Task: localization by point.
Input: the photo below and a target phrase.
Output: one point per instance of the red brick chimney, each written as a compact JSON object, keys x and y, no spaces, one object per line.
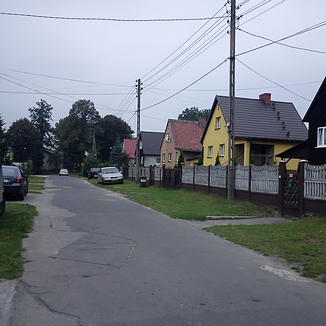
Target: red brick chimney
{"x":202,"y":120}
{"x":266,"y":98}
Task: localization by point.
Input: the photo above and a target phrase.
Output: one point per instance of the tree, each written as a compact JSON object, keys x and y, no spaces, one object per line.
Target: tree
{"x":24,"y":138}
{"x":41,"y":115}
{"x":90,"y":162}
{"x":200,"y":159}
{"x":193,"y":114}
{"x":3,"y":142}
{"x":118,"y":157}
{"x":217,"y":160}
{"x":75,"y":132}
{"x":181,"y":160}
{"x":108,"y":130}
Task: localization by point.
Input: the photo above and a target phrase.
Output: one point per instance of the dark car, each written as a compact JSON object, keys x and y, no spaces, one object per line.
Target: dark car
{"x":93,"y":172}
{"x":15,"y":182}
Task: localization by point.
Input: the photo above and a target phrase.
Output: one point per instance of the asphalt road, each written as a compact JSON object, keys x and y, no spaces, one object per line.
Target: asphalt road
{"x":96,"y":258}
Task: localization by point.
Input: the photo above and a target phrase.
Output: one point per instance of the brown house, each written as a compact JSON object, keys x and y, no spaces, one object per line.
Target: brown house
{"x":182,"y":136}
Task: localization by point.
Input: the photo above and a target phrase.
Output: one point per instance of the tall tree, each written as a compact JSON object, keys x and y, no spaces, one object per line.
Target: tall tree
{"x":25,"y":140}
{"x":41,"y":115}
{"x":75,"y":132}
{"x":3,"y":142}
{"x":193,"y":114}
{"x":108,"y":130}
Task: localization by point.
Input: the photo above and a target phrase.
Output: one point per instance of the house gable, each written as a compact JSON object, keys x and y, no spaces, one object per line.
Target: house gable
{"x":262,"y":128}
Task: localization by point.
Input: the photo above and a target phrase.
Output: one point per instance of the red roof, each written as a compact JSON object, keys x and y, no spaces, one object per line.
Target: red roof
{"x":187,"y":134}
{"x":129,"y":146}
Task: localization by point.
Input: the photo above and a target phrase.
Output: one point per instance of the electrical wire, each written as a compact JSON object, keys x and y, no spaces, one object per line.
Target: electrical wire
{"x":196,"y":81}
{"x":107,"y":19}
{"x":283,"y":44}
{"x":308,"y":29}
{"x":279,"y":85}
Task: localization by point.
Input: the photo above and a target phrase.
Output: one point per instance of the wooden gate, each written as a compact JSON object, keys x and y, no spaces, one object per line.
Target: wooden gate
{"x":290,"y":200}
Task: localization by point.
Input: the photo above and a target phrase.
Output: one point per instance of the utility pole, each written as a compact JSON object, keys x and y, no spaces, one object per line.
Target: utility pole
{"x":138,"y":131}
{"x":94,"y":152}
{"x":231,"y":168}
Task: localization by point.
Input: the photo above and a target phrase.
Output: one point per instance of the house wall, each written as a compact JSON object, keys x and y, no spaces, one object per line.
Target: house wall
{"x":168,"y":147}
{"x":215,"y":137}
{"x":150,"y":160}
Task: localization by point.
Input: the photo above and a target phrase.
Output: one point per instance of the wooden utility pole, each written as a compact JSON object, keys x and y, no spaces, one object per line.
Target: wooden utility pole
{"x":231,"y":168}
{"x":138,"y":131}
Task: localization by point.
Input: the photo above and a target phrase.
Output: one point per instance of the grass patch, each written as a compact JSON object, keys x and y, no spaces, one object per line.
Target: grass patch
{"x":302,"y":242}
{"x":185,"y":204}
{"x":15,"y":223}
{"x":35,"y":184}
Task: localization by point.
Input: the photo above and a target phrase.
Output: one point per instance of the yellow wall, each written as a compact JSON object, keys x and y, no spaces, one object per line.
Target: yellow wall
{"x":215,"y":137}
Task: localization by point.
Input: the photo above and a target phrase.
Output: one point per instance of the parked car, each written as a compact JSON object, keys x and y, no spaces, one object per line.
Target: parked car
{"x":109,"y":174}
{"x":2,"y":197}
{"x":93,"y":172}
{"x":64,"y":172}
{"x":15,"y":181}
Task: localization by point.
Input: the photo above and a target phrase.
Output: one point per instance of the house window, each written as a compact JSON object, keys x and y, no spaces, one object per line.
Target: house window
{"x":218,"y":123}
{"x":167,"y":138}
{"x":222,"y":150}
{"x":170,"y":157}
{"x":176,"y":156}
{"x":163,"y":158}
{"x":158,"y":160}
{"x":321,"y":137}
{"x":210,"y":151}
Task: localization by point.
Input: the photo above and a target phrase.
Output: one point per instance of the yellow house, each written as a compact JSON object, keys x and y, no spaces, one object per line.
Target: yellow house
{"x":262,"y":129}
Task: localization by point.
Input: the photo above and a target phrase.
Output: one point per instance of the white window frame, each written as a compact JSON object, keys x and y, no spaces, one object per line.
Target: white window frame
{"x":218,"y":123}
{"x":163,"y":158}
{"x":321,"y":137}
{"x":170,"y":157}
{"x":222,"y":150}
{"x":210,"y":151}
{"x":167,"y":138}
{"x":157,"y":160}
{"x":176,"y":156}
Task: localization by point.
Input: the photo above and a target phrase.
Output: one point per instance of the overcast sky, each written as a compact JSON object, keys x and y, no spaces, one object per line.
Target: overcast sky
{"x":63,"y":60}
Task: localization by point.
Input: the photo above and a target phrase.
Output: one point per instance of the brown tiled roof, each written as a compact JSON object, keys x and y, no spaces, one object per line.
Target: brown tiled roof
{"x":187,"y":134}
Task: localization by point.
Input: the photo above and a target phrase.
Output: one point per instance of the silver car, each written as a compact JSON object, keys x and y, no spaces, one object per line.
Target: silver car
{"x":109,"y":174}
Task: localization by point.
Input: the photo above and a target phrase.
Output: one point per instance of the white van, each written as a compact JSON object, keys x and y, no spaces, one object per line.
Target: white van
{"x":2,"y":198}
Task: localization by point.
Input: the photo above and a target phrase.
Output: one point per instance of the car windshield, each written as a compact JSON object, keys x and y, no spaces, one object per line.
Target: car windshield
{"x":110,"y":170}
{"x":95,"y":169}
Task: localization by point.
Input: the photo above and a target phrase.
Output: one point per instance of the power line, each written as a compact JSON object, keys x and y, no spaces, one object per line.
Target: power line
{"x":196,"y":81}
{"x":279,"y":85}
{"x":308,"y":29}
{"x":107,"y":19}
{"x":283,"y":44}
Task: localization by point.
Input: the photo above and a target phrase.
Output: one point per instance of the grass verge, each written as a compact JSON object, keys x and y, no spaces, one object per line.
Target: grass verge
{"x":186,"y":204}
{"x":15,"y":223}
{"x":302,"y":243}
{"x":35,"y":184}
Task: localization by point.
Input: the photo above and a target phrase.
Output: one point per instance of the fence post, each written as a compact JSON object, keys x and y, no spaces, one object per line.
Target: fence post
{"x":281,"y":173}
{"x":227,"y":181}
{"x":181,"y":171}
{"x":193,"y":176}
{"x":163,"y":175}
{"x":302,"y":167}
{"x":249,"y":182}
{"x":209,"y":179}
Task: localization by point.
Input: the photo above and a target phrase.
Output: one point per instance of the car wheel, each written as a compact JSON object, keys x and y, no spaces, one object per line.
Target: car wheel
{"x":2,"y":206}
{"x":21,"y":196}
{"x":102,"y":181}
{"x":25,"y":190}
